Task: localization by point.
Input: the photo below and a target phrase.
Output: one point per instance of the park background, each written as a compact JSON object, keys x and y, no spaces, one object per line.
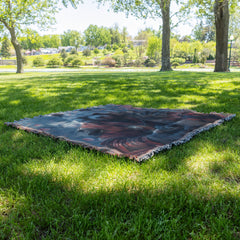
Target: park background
{"x":93,"y":36}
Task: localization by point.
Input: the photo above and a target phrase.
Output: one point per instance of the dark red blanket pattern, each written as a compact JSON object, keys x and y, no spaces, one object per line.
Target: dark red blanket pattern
{"x":123,"y":130}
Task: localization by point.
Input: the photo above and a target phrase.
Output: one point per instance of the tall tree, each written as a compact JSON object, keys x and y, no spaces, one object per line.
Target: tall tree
{"x":72,"y":38}
{"x":221,"y":10}
{"x":33,"y":39}
{"x":221,"y":13}
{"x":97,"y":36}
{"x":5,"y":49}
{"x":144,"y":34}
{"x":166,"y":33}
{"x":124,"y":35}
{"x":51,"y":41}
{"x":144,"y":9}
{"x":16,"y":15}
{"x":154,"y":48}
{"x":115,"y":35}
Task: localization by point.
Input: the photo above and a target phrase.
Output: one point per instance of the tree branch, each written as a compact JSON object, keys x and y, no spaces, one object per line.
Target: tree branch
{"x":5,"y":23}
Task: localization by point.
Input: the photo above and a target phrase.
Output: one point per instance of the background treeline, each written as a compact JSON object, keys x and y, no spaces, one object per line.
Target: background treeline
{"x":93,"y":36}
{"x":115,"y":47}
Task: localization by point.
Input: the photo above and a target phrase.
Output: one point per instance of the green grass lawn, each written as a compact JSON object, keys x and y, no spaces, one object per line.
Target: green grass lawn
{"x":53,"y":190}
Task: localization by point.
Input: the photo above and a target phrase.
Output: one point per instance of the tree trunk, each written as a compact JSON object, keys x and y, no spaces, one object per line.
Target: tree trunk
{"x":221,"y":12}
{"x":17,"y":48}
{"x":165,"y":8}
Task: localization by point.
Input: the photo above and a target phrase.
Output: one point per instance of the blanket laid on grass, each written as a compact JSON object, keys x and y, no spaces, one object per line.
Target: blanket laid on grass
{"x":136,"y":133}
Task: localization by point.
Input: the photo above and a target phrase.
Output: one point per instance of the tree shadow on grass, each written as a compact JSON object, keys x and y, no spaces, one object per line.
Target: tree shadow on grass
{"x":70,"y":90}
{"x":111,"y":198}
{"x":42,"y":206}
{"x":37,"y":95}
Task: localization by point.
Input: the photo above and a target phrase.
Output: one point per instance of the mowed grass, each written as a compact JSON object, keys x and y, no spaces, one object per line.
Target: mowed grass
{"x":52,"y":190}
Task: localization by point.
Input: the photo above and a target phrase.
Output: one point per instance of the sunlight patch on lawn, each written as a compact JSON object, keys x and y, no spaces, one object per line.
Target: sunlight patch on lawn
{"x":51,"y":189}
{"x":11,"y":203}
{"x":16,"y":136}
{"x":82,"y":177}
{"x":5,"y":207}
{"x":69,"y":174}
{"x":15,"y":102}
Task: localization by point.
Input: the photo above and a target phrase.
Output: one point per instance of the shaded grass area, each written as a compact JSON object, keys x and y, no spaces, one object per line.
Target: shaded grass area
{"x":53,"y":190}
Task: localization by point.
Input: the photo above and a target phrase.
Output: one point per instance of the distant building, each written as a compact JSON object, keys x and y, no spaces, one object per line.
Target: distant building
{"x":102,"y":47}
{"x":67,"y":48}
{"x":33,"y":52}
{"x":48,"y":50}
{"x":82,"y":48}
{"x":137,"y":43}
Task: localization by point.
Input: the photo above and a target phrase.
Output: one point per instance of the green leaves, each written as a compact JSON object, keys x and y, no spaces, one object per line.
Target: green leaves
{"x":16,"y":15}
{"x":21,"y":13}
{"x":5,"y":49}
{"x":74,"y":3}
{"x":71,"y":38}
{"x":97,"y":36}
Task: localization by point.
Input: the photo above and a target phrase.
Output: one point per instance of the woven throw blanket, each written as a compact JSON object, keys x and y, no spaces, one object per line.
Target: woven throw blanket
{"x":123,"y":130}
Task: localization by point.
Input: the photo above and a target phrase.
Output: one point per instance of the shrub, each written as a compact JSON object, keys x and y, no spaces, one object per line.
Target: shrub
{"x":109,"y":48}
{"x":68,"y":60}
{"x":105,"y":52}
{"x":122,"y":45}
{"x":178,"y":60}
{"x":54,"y":62}
{"x":96,"y":50}
{"x":180,"y":54}
{"x":138,"y":62}
{"x":150,"y":62}
{"x":125,"y":50}
{"x":119,"y":60}
{"x":211,"y":57}
{"x":109,"y":61}
{"x":74,"y":51}
{"x":195,"y":56}
{"x":63,"y":54}
{"x":24,"y":60}
{"x":118,"y":52}
{"x":38,"y":62}
{"x":86,"y":52}
{"x":76,"y":62}
{"x":175,"y":64}
{"x":153,"y":49}
{"x":130,"y":63}
{"x":115,"y":46}
{"x":97,"y":62}
{"x":131,"y":46}
{"x":203,"y":59}
{"x":236,"y":54}
{"x":126,"y":59}
{"x":73,"y":61}
{"x":195,"y":59}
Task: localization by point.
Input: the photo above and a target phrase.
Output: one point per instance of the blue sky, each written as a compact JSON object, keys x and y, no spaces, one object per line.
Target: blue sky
{"x":89,"y":13}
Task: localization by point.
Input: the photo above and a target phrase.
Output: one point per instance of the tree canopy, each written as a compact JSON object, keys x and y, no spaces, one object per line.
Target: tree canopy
{"x":71,"y":38}
{"x":5,"y":49}
{"x":145,"y":9}
{"x":22,"y":13}
{"x":97,"y":36}
{"x":17,"y":15}
{"x":220,"y":10}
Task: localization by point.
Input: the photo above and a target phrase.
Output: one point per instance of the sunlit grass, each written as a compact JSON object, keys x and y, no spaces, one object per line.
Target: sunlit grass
{"x":53,"y":190}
